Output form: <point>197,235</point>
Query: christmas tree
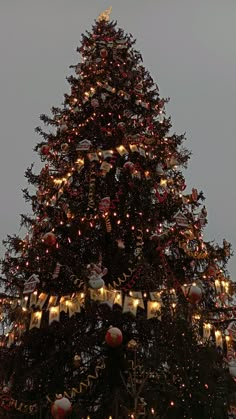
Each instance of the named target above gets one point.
<point>114,305</point>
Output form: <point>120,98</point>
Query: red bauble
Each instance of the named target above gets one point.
<point>114,337</point>
<point>103,53</point>
<point>61,408</point>
<point>193,293</point>
<point>49,238</point>
<point>45,150</point>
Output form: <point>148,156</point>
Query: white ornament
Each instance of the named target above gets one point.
<point>61,406</point>
<point>96,282</point>
<point>232,368</point>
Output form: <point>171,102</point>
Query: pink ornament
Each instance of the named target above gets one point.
<point>114,337</point>
<point>45,150</point>
<point>193,293</point>
<point>61,408</point>
<point>49,238</point>
<point>94,103</point>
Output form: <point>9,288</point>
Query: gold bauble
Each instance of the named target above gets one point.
<point>132,345</point>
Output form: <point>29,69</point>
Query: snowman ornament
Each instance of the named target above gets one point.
<point>95,275</point>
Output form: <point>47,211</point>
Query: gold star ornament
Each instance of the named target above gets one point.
<point>105,15</point>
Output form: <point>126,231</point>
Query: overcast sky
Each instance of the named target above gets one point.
<point>189,47</point>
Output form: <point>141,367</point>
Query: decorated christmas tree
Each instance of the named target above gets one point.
<point>114,305</point>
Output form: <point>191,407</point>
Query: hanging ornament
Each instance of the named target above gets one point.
<point>77,361</point>
<point>232,330</point>
<point>193,293</point>
<point>226,247</point>
<point>61,408</point>
<point>188,234</point>
<point>45,150</point>
<point>129,166</point>
<point>103,53</point>
<point>194,195</point>
<point>63,127</point>
<point>212,270</point>
<point>121,126</point>
<point>49,239</point>
<point>202,216</point>
<point>64,147</point>
<point>114,337</point>
<point>132,345</point>
<point>232,369</point>
<point>30,284</point>
<point>95,274</point>
<point>120,244</point>
<point>56,271</point>
<point>138,89</point>
<point>84,145</point>
<point>159,169</point>
<point>104,204</point>
<point>95,103</point>
<point>6,389</point>
<point>171,162</point>
<point>181,219</point>
<point>161,197</point>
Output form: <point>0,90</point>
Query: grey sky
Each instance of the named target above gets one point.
<point>187,45</point>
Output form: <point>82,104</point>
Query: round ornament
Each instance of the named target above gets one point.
<point>64,147</point>
<point>63,127</point>
<point>76,361</point>
<point>95,103</point>
<point>45,150</point>
<point>193,293</point>
<point>61,408</point>
<point>132,345</point>
<point>96,283</point>
<point>103,53</point>
<point>114,337</point>
<point>49,239</point>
